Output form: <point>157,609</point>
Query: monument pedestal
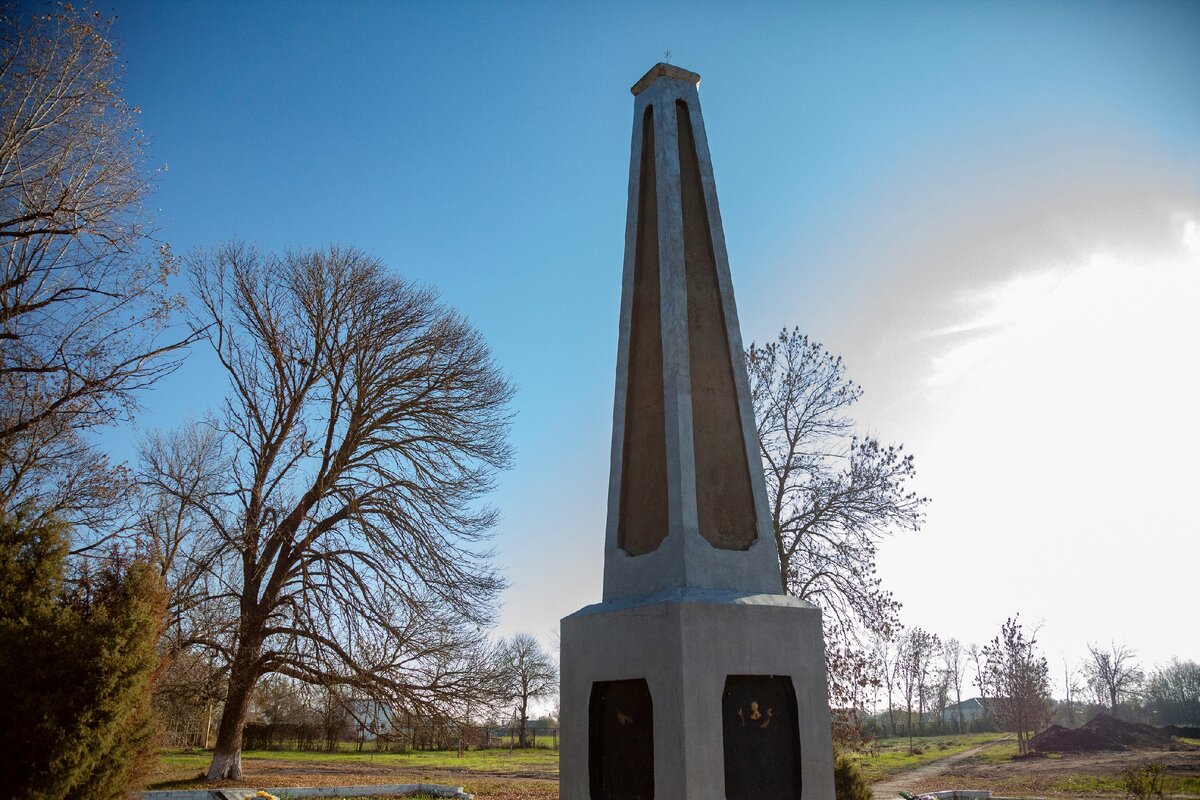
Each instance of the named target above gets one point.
<point>736,699</point>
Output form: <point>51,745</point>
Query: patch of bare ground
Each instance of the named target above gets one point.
<point>1071,775</point>
<point>509,789</point>
<point>905,781</point>
<point>530,784</point>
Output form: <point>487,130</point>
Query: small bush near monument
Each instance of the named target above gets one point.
<point>849,782</point>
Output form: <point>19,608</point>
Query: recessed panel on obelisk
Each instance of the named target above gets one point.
<point>694,677</point>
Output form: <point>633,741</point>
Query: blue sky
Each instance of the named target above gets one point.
<point>984,207</point>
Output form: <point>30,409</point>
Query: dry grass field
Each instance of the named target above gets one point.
<point>533,774</point>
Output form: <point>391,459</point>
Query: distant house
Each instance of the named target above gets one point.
<point>968,710</point>
<point>543,730</point>
<point>371,718</point>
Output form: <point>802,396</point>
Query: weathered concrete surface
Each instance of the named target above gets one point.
<point>662,70</point>
<point>685,643</point>
<point>718,531</point>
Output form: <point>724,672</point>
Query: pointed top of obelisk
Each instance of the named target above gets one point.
<point>664,70</point>
<point>687,498</point>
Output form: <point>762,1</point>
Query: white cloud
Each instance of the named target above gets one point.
<point>1078,320</point>
<point>1058,435</point>
<point>1191,236</point>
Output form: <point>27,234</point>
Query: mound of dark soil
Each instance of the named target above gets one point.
<point>1102,732</point>
<point>1131,734</point>
<point>1186,731</point>
<point>1057,739</point>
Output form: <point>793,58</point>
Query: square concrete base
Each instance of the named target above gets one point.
<point>685,643</point>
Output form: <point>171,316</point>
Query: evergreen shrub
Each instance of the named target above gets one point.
<point>77,668</point>
<point>849,783</point>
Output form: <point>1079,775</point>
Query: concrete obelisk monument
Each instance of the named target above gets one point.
<point>695,677</point>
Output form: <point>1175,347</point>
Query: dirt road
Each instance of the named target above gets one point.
<point>890,789</point>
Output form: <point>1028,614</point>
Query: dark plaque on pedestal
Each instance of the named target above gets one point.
<point>762,742</point>
<point>621,741</point>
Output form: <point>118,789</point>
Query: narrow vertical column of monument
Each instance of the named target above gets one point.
<point>695,678</point>
<point>687,502</point>
<point>725,512</point>
<point>642,499</point>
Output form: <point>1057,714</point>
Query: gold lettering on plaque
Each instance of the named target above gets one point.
<point>756,715</point>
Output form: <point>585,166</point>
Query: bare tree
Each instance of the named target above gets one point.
<point>927,673</point>
<point>955,666</point>
<point>527,672</point>
<point>939,690</point>
<point>333,503</point>
<point>1173,692</point>
<point>916,652</point>
<point>186,551</point>
<point>176,468</point>
<point>975,653</point>
<point>887,653</point>
<point>1019,681</point>
<point>84,308</point>
<point>906,673</point>
<point>833,496</point>
<point>1071,689</point>
<point>859,675</point>
<point>187,692</point>
<point>1112,673</point>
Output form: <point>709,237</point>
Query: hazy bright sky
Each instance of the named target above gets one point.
<point>990,210</point>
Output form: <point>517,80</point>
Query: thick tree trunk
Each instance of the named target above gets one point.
<point>227,755</point>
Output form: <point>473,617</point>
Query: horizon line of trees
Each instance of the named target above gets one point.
<point>517,673</point>
<point>289,715</point>
<point>923,681</point>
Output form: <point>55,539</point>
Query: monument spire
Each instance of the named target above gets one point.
<point>687,501</point>
<point>695,678</point>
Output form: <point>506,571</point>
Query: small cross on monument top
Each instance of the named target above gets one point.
<point>664,70</point>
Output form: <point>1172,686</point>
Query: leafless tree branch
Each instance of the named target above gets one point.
<point>85,313</point>
<point>833,496</point>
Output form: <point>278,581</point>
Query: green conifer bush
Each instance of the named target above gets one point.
<point>76,666</point>
<point>849,783</point>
